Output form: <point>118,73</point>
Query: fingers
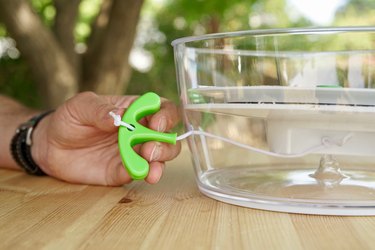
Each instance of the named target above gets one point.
<point>117,176</point>
<point>156,154</point>
<point>87,108</point>
<point>166,118</point>
<point>156,151</point>
<point>155,173</point>
<point>120,100</point>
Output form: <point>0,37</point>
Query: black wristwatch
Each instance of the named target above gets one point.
<point>20,146</point>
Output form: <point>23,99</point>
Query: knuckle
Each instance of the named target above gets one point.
<point>86,95</point>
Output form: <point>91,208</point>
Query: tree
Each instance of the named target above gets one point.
<point>50,49</point>
<point>356,13</point>
<point>179,18</point>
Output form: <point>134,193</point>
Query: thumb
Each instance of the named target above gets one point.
<point>93,110</point>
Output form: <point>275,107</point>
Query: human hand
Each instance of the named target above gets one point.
<point>78,142</point>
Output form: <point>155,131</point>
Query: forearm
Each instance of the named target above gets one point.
<point>12,114</point>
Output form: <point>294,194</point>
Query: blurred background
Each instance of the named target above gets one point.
<point>52,49</point>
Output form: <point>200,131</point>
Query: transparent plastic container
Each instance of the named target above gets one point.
<point>303,100</point>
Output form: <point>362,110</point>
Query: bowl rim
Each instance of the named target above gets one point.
<point>269,32</point>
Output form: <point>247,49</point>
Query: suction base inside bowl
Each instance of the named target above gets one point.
<point>294,188</point>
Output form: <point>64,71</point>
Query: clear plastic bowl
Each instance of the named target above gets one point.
<point>301,100</point>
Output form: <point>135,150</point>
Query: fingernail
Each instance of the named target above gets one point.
<point>161,174</point>
<point>162,124</point>
<point>155,154</point>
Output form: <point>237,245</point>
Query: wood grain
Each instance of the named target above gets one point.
<point>45,213</point>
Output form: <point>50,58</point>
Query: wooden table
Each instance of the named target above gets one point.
<point>46,213</point>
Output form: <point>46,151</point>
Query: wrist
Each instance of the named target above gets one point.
<point>9,124</point>
<point>39,147</point>
<point>22,145</point>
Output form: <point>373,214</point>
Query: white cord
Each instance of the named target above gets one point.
<point>327,142</point>
<point>117,121</point>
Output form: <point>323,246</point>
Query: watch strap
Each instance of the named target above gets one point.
<point>21,145</point>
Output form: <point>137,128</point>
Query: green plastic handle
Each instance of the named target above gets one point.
<point>147,104</point>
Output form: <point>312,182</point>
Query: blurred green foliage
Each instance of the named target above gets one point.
<point>45,9</point>
<point>162,22</point>
<point>16,81</point>
<point>356,13</point>
<point>180,18</point>
<point>15,78</point>
<point>88,9</point>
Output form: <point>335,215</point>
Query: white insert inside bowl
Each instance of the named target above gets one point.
<point>298,117</point>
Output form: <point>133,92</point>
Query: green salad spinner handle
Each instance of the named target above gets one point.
<point>147,104</point>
